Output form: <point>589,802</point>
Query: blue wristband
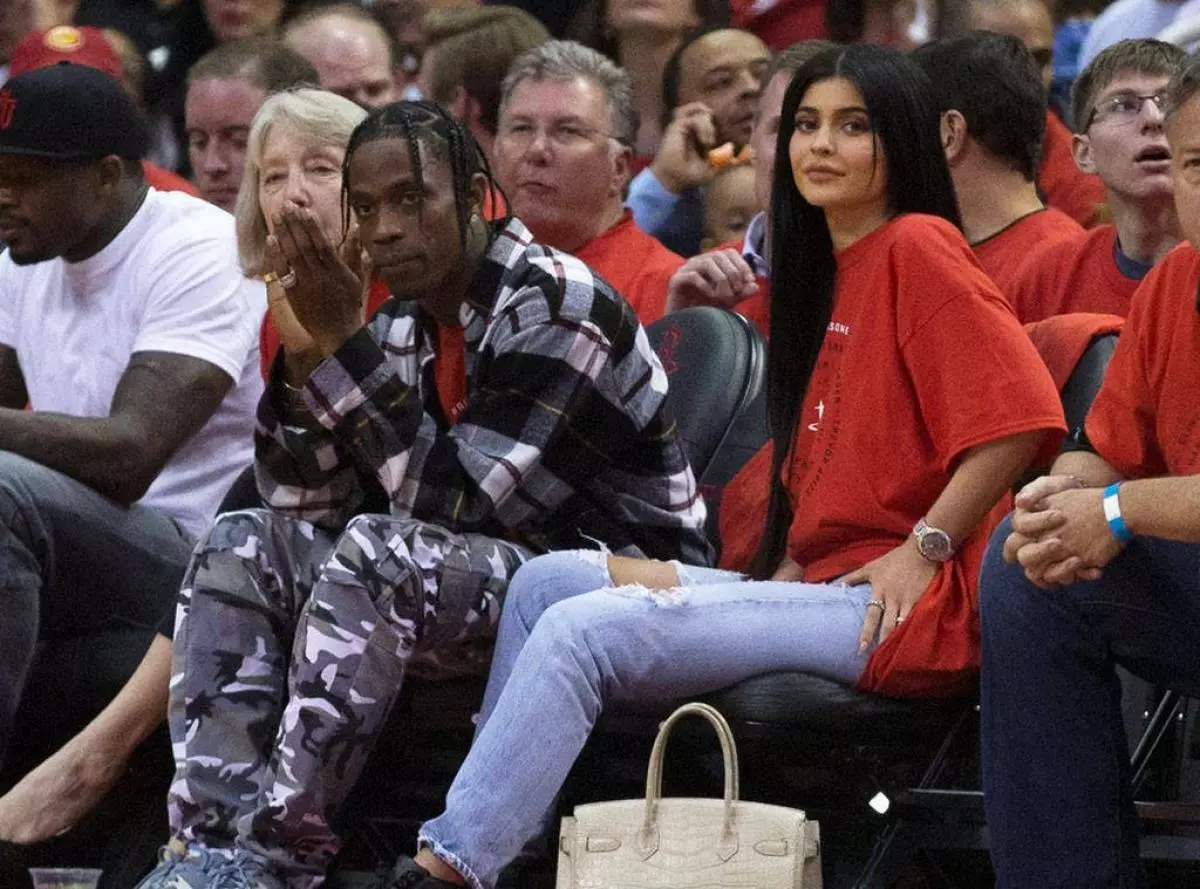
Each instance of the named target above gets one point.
<point>1112,514</point>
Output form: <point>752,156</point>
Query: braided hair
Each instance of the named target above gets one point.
<point>413,121</point>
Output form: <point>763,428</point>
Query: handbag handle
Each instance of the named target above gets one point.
<point>649,834</point>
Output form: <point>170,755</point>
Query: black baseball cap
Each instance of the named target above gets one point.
<point>70,112</point>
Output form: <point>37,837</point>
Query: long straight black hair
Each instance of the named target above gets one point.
<point>904,116</point>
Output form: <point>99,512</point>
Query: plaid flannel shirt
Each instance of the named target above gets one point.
<point>565,437</point>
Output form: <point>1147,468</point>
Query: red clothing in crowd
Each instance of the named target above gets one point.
<point>269,340</point>
<point>1080,195</point>
<point>1004,254</point>
<point>780,23</point>
<point>164,180</point>
<point>1143,421</point>
<point>637,265</point>
<point>1078,275</point>
<point>450,371</point>
<point>908,379</point>
<point>1061,340</point>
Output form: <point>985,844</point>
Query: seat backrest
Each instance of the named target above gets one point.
<point>1081,387</point>
<point>1079,391</point>
<point>716,361</point>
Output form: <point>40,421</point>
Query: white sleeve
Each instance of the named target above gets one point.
<point>200,304</point>
<point>8,307</point>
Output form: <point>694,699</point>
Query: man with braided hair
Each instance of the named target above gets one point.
<point>507,402</point>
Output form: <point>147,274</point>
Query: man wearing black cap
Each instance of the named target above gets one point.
<point>127,326</point>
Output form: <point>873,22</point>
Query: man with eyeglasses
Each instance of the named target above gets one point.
<point>562,155</point>
<point>991,98</point>
<point>1119,122</point>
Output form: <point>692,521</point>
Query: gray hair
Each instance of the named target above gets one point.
<point>564,60</point>
<point>319,118</point>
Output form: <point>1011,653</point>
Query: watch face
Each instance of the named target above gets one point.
<point>935,544</point>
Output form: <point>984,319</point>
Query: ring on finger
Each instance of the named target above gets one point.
<point>270,278</point>
<point>288,280</point>
<point>877,603</point>
<point>900,620</point>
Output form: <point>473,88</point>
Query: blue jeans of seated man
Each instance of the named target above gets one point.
<point>1055,759</point>
<point>73,561</point>
<point>566,649</point>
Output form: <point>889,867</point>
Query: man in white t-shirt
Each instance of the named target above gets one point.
<point>129,329</point>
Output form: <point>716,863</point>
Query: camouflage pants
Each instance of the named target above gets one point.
<point>290,648</point>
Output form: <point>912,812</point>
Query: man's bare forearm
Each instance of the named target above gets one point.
<point>1092,469</point>
<point>161,400</point>
<point>100,453</point>
<point>1163,507</point>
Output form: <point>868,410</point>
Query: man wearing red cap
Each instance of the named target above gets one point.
<point>128,327</point>
<point>88,47</point>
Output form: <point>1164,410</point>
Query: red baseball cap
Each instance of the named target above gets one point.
<point>83,46</point>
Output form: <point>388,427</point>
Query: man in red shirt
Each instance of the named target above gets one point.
<point>993,119</point>
<point>562,155</point>
<point>1101,570</point>
<point>1120,137</point>
<point>225,90</point>
<point>1078,194</point>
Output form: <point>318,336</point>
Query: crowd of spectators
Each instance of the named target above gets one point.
<point>397,258</point>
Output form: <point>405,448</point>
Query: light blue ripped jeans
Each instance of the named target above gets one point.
<point>569,644</point>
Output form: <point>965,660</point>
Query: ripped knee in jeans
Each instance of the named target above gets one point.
<point>626,571</point>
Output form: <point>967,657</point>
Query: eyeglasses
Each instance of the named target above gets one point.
<point>1123,108</point>
<point>563,135</point>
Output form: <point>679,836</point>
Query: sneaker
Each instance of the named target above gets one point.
<point>194,869</point>
<point>247,871</point>
<point>407,874</point>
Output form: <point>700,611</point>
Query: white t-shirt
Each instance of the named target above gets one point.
<point>1129,20</point>
<point>169,282</point>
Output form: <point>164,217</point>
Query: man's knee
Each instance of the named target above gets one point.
<point>1005,593</point>
<point>376,555</point>
<point>19,485</point>
<point>256,555</point>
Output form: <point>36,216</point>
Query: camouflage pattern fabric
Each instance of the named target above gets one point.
<point>290,648</point>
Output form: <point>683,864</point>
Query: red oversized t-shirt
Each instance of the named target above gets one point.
<point>637,265</point>
<point>1005,253</point>
<point>922,361</point>
<point>1078,275</point>
<point>1078,194</point>
<point>1143,421</point>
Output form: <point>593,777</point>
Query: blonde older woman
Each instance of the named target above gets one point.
<point>296,144</point>
<point>294,158</point>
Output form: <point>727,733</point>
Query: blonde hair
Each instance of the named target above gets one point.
<point>318,117</point>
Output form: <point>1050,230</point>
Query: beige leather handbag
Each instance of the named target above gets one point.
<point>681,843</point>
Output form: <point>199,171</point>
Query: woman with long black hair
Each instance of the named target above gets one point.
<point>905,401</point>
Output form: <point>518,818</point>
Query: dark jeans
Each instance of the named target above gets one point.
<point>71,562</point>
<point>1055,759</point>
